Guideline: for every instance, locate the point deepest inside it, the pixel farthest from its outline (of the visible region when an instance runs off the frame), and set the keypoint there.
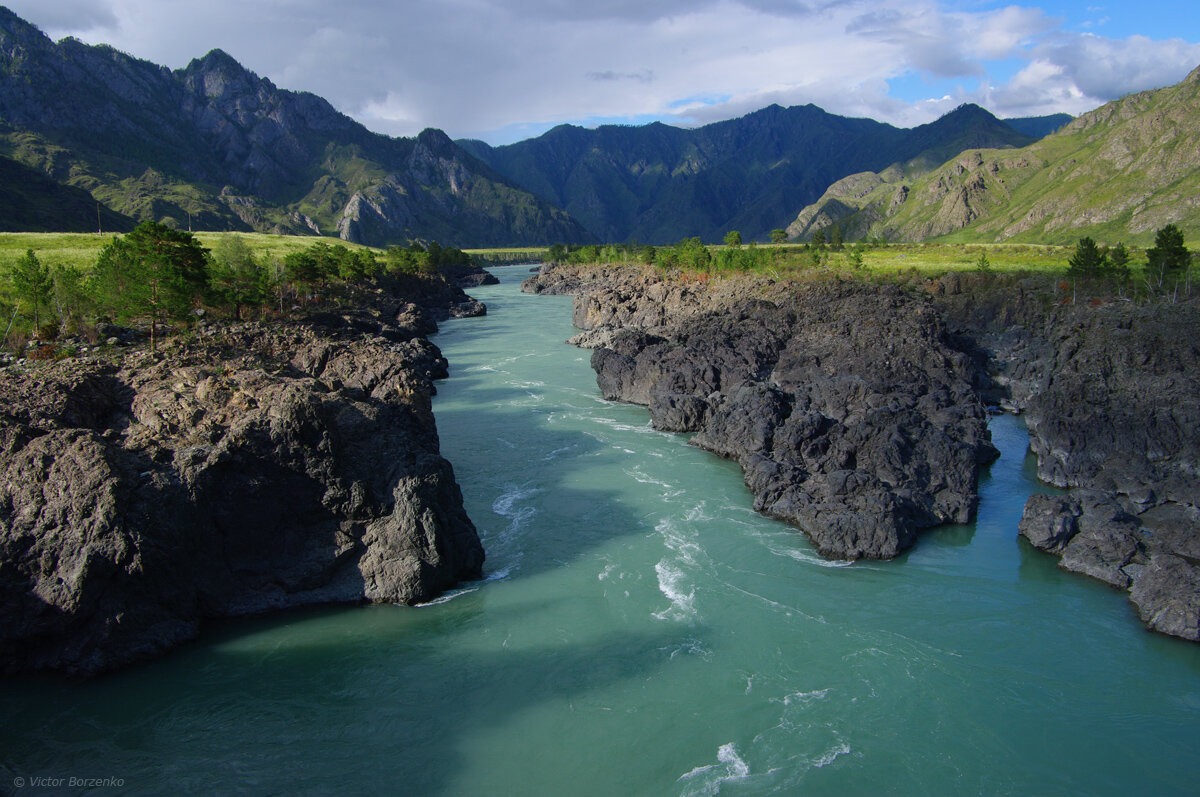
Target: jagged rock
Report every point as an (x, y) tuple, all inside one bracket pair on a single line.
[(1112, 401), (1167, 596), (850, 412), (250, 469)]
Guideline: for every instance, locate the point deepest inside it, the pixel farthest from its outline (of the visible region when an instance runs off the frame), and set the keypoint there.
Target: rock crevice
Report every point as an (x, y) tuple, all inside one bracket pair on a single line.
[(857, 410)]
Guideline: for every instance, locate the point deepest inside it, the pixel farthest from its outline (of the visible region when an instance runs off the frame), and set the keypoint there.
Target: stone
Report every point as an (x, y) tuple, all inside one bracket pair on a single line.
[(847, 405), (262, 467)]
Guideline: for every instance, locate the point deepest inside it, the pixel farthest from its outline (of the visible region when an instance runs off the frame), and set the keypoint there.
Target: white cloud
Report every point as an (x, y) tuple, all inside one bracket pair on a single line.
[(65, 14), (474, 66), (1105, 68)]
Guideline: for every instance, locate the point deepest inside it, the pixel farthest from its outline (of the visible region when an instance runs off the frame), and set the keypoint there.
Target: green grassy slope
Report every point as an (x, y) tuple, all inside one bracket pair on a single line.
[(1116, 174)]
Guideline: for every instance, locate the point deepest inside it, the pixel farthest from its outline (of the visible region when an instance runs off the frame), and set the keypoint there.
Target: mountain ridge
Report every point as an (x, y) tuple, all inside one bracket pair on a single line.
[(218, 147), (1116, 173), (657, 183)]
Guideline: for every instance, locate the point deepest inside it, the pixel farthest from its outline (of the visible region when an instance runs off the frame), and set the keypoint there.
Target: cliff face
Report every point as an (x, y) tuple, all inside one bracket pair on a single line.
[(1112, 403), (856, 411), (251, 468), (850, 412)]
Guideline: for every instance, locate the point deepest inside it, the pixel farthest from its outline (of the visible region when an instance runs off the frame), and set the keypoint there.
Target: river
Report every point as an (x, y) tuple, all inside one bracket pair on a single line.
[(640, 631)]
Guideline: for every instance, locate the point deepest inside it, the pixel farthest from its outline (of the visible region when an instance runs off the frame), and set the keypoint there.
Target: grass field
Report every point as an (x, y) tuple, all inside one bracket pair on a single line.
[(81, 250), (941, 258)]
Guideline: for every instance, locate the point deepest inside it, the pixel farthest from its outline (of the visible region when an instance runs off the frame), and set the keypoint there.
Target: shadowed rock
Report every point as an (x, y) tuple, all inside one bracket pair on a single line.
[(251, 468)]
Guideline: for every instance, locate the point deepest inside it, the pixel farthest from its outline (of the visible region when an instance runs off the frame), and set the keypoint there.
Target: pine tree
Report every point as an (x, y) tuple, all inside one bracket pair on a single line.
[(1088, 262), (154, 272), (32, 284), (1169, 257), (237, 277), (1118, 263)]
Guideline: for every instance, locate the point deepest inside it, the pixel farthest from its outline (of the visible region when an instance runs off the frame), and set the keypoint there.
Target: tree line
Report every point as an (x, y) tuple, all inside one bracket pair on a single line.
[(1168, 262), (156, 275), (689, 254)]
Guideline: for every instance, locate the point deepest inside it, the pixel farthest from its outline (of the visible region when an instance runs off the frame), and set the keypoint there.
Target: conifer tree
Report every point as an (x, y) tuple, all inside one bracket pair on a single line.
[(1169, 257), (1088, 262), (153, 272), (32, 284)]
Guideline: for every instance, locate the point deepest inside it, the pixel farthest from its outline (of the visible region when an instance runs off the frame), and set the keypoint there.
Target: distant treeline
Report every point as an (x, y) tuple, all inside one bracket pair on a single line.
[(1164, 268), (157, 274), (690, 254)]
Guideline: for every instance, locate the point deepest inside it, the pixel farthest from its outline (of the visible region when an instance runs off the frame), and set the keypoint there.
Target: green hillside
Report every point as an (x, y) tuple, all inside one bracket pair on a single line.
[(1115, 174), (32, 202)]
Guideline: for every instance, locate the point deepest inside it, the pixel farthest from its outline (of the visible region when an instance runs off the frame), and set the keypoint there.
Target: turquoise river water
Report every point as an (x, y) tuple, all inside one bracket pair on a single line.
[(641, 631)]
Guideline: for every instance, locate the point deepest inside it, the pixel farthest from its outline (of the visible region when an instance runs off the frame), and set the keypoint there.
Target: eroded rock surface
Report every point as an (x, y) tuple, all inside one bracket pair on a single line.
[(248, 468), (850, 412), (856, 410)]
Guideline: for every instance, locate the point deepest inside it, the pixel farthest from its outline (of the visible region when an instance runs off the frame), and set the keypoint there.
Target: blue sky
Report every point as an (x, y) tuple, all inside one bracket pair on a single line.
[(502, 70)]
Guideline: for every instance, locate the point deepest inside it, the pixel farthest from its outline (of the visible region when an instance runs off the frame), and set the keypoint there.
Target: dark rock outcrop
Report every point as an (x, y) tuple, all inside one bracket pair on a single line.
[(1111, 394), (468, 276), (1116, 419), (855, 410), (246, 469), (850, 412)]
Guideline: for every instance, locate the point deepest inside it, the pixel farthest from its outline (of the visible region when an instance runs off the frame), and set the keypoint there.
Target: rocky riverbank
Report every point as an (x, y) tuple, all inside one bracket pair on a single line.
[(242, 468), (1111, 394), (857, 410), (850, 411)]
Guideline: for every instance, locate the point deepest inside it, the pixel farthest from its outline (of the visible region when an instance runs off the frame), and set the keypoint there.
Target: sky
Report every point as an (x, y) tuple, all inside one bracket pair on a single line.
[(506, 70)]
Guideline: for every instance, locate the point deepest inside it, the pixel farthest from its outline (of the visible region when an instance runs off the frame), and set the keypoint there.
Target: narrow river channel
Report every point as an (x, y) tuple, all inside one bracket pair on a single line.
[(641, 631)]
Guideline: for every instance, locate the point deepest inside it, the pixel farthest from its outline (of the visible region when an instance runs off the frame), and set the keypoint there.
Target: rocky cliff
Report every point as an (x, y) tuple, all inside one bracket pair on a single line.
[(849, 409), (238, 470), (856, 412), (1112, 402)]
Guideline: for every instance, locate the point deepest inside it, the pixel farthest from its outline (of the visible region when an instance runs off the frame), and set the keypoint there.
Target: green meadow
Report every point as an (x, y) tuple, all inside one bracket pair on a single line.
[(81, 249), (783, 261)]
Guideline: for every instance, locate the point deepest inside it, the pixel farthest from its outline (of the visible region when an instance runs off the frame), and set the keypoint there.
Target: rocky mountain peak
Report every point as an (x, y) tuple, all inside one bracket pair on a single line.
[(437, 142), (218, 76), (19, 39)]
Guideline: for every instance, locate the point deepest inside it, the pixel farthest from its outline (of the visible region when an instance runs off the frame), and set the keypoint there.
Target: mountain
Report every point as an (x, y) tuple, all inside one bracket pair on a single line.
[(1117, 173), (657, 184), (1039, 126), (32, 202), (217, 147)]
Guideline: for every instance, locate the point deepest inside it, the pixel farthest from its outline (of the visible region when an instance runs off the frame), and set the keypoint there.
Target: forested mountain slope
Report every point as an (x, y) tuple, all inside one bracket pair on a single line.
[(216, 147), (657, 184)]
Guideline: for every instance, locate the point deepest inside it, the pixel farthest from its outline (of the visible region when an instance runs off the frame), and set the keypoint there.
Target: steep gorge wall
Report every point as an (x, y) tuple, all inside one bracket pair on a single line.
[(250, 468), (1111, 394), (857, 410)]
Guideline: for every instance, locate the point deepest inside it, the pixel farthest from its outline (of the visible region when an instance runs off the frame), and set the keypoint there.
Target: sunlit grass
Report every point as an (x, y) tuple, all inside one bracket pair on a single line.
[(81, 249)]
